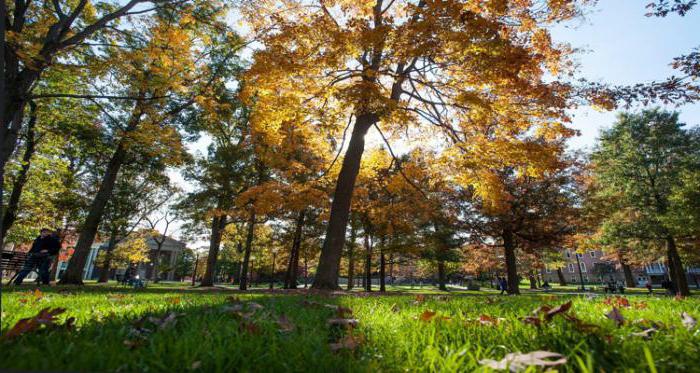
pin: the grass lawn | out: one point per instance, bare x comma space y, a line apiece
205, 330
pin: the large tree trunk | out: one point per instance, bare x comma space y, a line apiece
351, 257
248, 247
218, 223
106, 266
626, 270
368, 263
10, 211
290, 279
676, 268
329, 263
511, 266
442, 279
562, 279
76, 265
382, 269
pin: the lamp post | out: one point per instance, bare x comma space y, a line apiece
578, 262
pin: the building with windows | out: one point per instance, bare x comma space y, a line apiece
594, 267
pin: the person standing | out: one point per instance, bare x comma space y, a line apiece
44, 247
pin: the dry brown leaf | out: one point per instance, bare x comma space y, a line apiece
196, 365
395, 308
427, 315
488, 320
348, 342
616, 316
284, 325
46, 317
563, 308
517, 361
343, 322
688, 321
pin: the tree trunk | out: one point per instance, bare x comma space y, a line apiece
9, 132
290, 279
351, 256
368, 263
248, 247
442, 280
156, 260
382, 269
533, 281
676, 268
329, 263
562, 279
76, 265
10, 211
511, 266
106, 266
218, 223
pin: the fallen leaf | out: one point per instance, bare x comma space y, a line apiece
284, 324
348, 342
22, 300
641, 305
196, 365
165, 321
343, 312
557, 310
646, 333
350, 323
395, 308
249, 327
488, 320
688, 321
615, 316
420, 298
427, 315
518, 361
38, 294
46, 317
176, 300
533, 320
255, 306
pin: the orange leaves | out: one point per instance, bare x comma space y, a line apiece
427, 315
618, 301
45, 319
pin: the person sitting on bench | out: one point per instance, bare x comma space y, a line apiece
44, 247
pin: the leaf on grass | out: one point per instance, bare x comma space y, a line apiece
533, 320
557, 310
348, 342
616, 316
580, 325
420, 299
679, 297
395, 308
488, 320
641, 305
196, 365
284, 325
23, 300
176, 300
38, 294
46, 318
688, 321
427, 315
343, 312
490, 300
165, 321
617, 301
350, 323
518, 361
249, 327
255, 306
645, 333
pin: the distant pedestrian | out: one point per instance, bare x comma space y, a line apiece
503, 285
43, 249
650, 288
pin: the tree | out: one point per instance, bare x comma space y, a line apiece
39, 36
449, 64
636, 167
163, 69
128, 252
159, 238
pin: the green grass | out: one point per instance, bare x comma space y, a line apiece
207, 338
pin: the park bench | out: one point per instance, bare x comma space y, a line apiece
12, 261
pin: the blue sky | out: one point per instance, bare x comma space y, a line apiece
622, 46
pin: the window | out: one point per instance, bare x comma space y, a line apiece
583, 267
585, 278
579, 255
571, 267
573, 279
592, 254
568, 255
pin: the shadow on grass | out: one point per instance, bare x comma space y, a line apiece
206, 336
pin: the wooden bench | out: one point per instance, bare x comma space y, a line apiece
12, 261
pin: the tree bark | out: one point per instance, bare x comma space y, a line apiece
368, 263
351, 257
676, 268
329, 263
511, 266
290, 279
218, 223
10, 211
562, 279
106, 266
156, 259
442, 280
76, 265
382, 269
248, 247
533, 281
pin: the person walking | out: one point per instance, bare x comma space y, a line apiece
44, 247
503, 284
